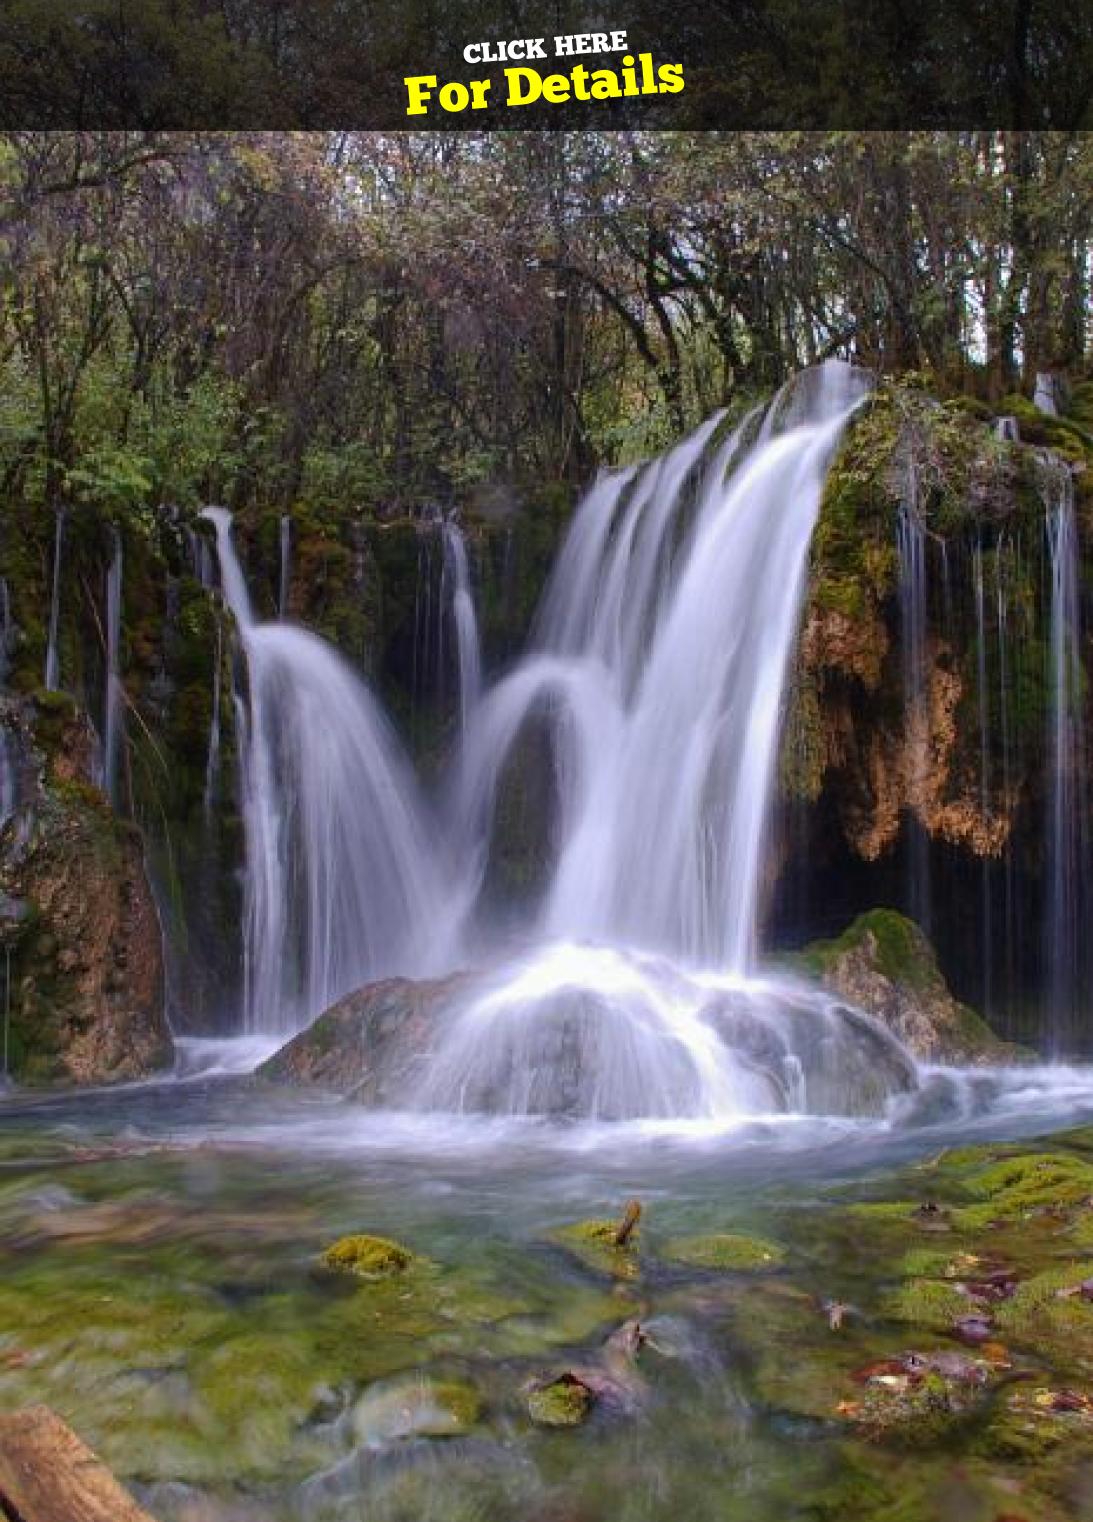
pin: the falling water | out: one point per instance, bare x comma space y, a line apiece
1007, 429
342, 881
1067, 814
53, 665
286, 566
912, 602
468, 651
114, 715
658, 665
983, 710
212, 762
9, 774
662, 651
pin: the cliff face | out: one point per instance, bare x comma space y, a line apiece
917, 741
76, 915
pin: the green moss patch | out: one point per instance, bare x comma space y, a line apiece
367, 1257
726, 1251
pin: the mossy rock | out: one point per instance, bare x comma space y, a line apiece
884, 964
368, 1257
595, 1244
416, 1408
564, 1402
930, 1303
725, 1251
1014, 1188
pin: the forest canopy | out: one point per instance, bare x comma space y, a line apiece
379, 321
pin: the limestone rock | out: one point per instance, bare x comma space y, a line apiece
885, 965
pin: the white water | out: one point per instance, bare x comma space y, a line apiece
468, 652
658, 668
212, 760
912, 602
343, 880
114, 695
1067, 841
52, 675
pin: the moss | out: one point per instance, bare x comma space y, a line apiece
1016, 1187
416, 1408
725, 1251
926, 1303
593, 1242
564, 1402
903, 953
367, 1257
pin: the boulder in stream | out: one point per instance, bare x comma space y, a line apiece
884, 964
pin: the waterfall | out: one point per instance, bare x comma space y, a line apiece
1067, 840
468, 652
114, 693
52, 675
912, 603
212, 762
342, 880
1007, 429
660, 663
983, 724
286, 567
658, 667
9, 774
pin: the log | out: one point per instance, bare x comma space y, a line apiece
48, 1475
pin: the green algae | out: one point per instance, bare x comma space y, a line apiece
595, 1245
564, 1402
367, 1257
728, 1252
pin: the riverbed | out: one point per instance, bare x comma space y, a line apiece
162, 1288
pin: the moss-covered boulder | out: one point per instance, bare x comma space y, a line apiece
367, 1257
563, 1402
885, 965
87, 983
728, 1252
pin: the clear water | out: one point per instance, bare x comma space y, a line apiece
158, 1287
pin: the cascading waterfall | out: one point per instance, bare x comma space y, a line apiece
983, 723
114, 695
342, 882
658, 666
52, 675
1068, 838
9, 774
212, 760
468, 652
912, 602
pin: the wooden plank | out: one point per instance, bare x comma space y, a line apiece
48, 1475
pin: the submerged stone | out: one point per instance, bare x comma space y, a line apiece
367, 1257
415, 1408
597, 1245
727, 1251
565, 1402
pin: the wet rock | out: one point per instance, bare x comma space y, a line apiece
367, 1045
563, 1402
726, 1251
415, 1408
367, 1257
597, 1245
87, 984
884, 965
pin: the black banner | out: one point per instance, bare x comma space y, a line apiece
406, 64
